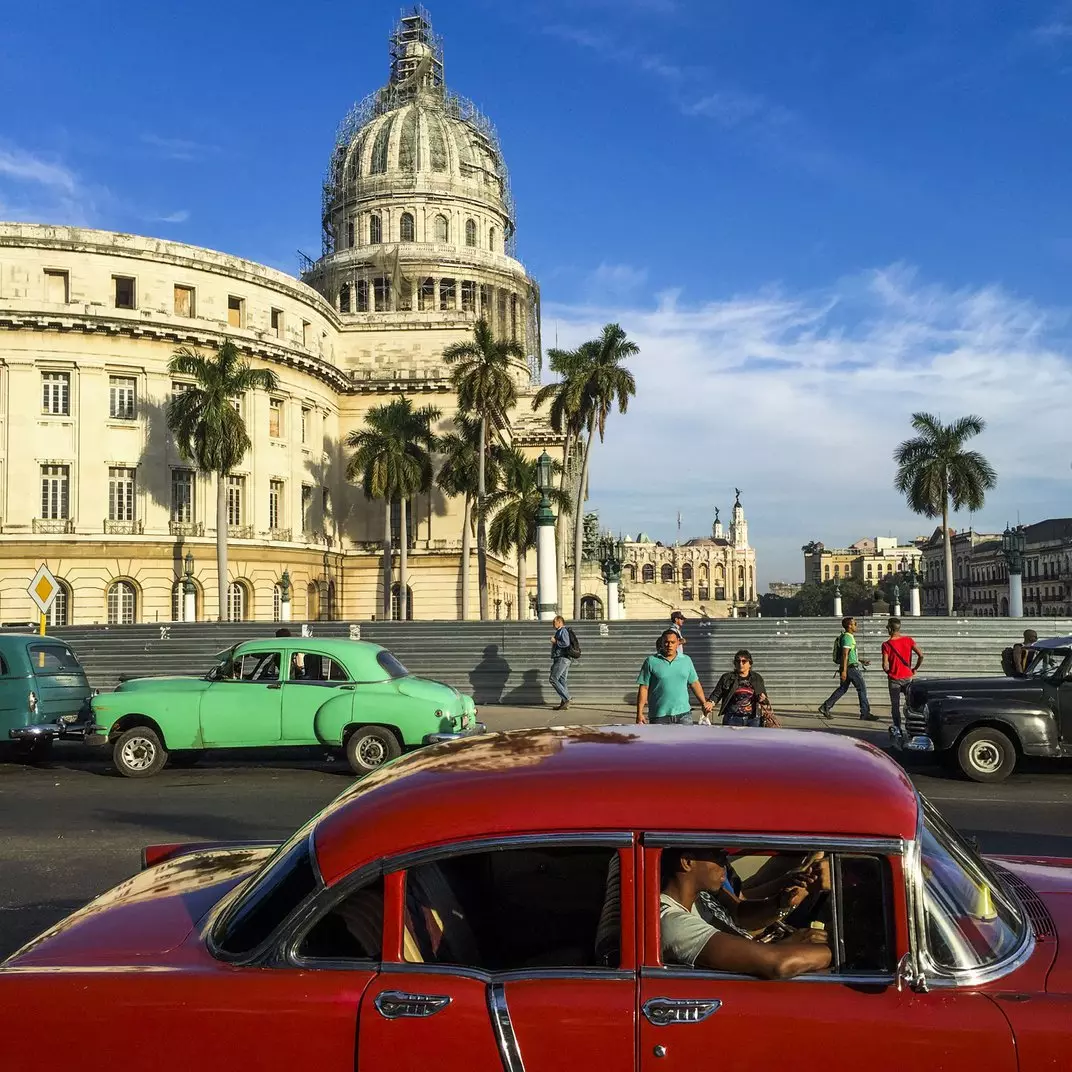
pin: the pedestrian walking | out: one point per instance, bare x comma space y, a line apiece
677, 621
564, 649
743, 695
848, 658
664, 682
897, 661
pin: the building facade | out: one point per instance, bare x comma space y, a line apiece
868, 560
419, 242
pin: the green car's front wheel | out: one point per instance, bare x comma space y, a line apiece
139, 753
369, 747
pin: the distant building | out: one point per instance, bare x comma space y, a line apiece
868, 560
784, 589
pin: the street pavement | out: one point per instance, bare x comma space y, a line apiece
73, 828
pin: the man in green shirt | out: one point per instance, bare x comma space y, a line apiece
664, 682
850, 663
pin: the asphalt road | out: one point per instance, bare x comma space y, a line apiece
73, 828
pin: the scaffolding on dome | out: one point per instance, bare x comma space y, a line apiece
416, 52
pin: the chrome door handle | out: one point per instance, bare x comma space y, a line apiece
663, 1011
395, 1005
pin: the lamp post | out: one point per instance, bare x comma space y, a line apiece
1013, 546
189, 589
284, 596
837, 600
611, 558
546, 568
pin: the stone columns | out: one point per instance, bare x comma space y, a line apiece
913, 599
546, 563
837, 602
1016, 595
189, 603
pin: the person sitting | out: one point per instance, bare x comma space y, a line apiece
726, 944
741, 692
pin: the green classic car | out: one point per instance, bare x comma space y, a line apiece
288, 692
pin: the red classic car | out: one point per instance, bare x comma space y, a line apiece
500, 903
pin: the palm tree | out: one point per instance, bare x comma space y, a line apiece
209, 428
458, 476
934, 469
483, 378
598, 381
393, 461
565, 421
514, 509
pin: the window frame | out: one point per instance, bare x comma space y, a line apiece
238, 307
277, 410
53, 382
132, 280
322, 682
189, 290
120, 385
893, 851
58, 477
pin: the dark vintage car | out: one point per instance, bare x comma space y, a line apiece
982, 726
499, 904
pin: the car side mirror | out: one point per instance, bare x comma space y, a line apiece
909, 978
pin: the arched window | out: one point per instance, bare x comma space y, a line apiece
591, 608
630, 571
493, 239
702, 573
178, 602
327, 609
408, 227
666, 574
277, 602
442, 228
375, 229
344, 298
236, 602
122, 603
350, 233
312, 602
648, 572
60, 611
396, 610
470, 232
686, 573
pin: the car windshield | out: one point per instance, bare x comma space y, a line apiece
971, 921
223, 665
53, 659
389, 663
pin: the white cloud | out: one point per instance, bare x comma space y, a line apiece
169, 148
181, 216
36, 188
800, 399
614, 281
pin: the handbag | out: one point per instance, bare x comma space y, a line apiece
767, 718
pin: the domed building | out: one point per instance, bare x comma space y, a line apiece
418, 243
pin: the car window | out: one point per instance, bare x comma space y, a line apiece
516, 909
970, 922
767, 896
273, 893
312, 668
389, 663
254, 666
351, 930
3, 666
53, 659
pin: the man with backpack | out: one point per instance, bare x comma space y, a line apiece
1015, 660
897, 656
565, 647
848, 661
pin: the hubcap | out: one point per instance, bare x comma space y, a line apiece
138, 753
371, 752
985, 756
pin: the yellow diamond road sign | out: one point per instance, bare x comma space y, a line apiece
43, 589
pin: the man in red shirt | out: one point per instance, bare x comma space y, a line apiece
897, 657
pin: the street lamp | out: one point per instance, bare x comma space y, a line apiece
546, 564
1013, 546
189, 589
544, 476
611, 554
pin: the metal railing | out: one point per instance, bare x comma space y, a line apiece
186, 528
123, 528
53, 525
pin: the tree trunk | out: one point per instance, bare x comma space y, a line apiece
386, 560
467, 548
481, 527
522, 584
578, 529
221, 543
948, 556
403, 562
561, 529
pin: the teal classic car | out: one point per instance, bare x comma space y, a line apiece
44, 694
288, 692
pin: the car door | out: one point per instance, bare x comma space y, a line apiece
835, 1022
312, 680
242, 707
440, 1003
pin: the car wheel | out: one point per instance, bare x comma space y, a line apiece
139, 753
369, 747
986, 755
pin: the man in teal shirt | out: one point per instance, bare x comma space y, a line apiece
664, 682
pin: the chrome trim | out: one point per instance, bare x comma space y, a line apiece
474, 730
406, 967
317, 873
509, 1051
677, 972
59, 729
397, 1005
665, 1011
517, 975
893, 846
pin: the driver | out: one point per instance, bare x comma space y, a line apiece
688, 938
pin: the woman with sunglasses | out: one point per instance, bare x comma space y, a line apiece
742, 694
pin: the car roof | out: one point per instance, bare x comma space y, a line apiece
328, 645
24, 639
618, 778
1052, 644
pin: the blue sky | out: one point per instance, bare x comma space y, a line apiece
816, 219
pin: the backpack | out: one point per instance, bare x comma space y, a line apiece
574, 649
1008, 663
837, 649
